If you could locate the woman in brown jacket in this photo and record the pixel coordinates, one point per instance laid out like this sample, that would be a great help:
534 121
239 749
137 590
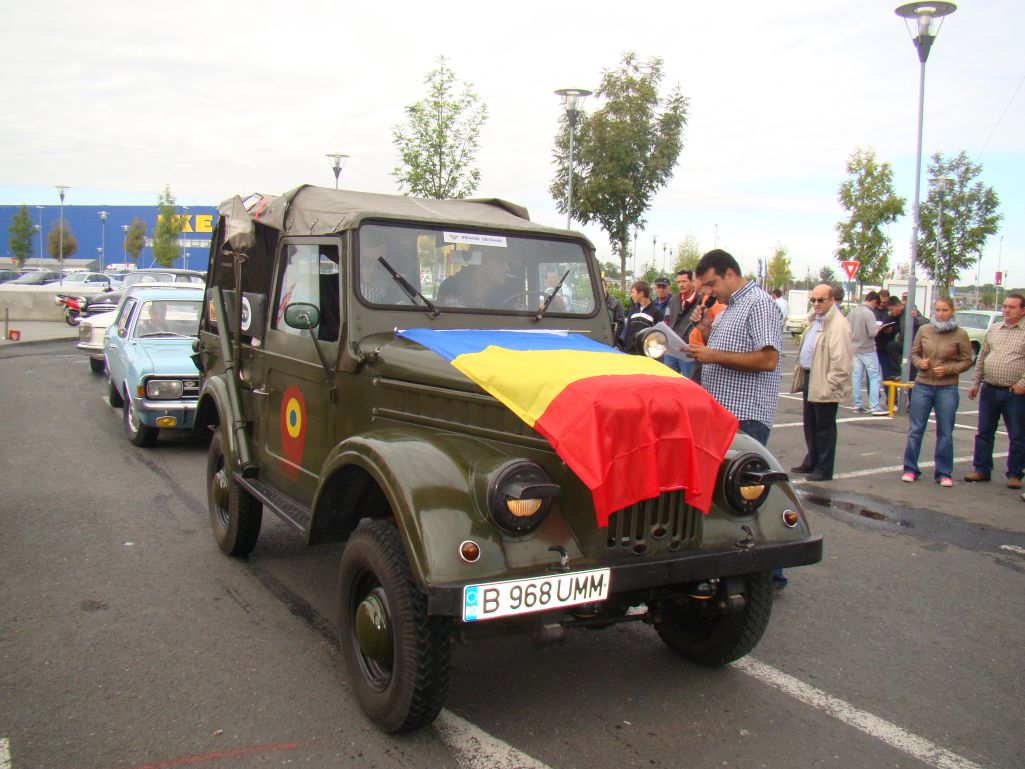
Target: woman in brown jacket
941 352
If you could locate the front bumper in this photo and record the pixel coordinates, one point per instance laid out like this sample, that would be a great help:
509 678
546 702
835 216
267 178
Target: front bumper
150 411
676 569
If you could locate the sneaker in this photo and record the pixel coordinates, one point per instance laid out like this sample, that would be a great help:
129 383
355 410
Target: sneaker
859 410
908 477
880 413
945 482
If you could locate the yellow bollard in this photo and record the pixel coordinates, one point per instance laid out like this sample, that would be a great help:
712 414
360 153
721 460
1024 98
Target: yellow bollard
891 386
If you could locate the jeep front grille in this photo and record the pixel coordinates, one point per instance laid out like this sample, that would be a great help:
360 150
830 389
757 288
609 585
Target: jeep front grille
662 524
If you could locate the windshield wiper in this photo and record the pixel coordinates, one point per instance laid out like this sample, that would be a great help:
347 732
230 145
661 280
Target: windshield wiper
409 288
551 296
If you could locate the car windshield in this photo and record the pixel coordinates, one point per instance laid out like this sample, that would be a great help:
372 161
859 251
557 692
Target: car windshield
462 270
973 320
34 277
148 277
169 318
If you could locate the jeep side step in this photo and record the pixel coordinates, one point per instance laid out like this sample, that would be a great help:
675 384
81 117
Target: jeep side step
282 505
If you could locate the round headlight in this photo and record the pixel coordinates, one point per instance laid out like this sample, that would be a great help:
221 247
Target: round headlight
746 486
520 495
655 344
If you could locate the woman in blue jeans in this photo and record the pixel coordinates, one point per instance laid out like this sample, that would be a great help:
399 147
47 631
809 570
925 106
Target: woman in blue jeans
941 352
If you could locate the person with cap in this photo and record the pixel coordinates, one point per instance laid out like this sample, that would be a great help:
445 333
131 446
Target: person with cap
662 294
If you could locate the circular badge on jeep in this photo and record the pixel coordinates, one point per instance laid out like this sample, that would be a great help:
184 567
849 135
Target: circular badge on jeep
246 313
293 428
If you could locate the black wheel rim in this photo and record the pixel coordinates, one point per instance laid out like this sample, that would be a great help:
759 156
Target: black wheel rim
371 636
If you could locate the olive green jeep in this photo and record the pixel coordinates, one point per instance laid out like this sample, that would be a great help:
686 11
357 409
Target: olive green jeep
460 518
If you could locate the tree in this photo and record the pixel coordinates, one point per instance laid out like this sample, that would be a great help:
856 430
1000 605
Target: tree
19 236
826 275
135 239
54 242
624 152
688 253
969 218
869 198
169 226
778 272
438 144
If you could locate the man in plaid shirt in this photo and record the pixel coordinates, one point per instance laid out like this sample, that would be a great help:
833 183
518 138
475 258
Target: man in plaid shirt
740 362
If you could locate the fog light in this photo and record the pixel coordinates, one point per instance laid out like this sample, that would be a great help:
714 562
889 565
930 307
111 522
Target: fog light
166 421
790 518
469 551
523 508
751 493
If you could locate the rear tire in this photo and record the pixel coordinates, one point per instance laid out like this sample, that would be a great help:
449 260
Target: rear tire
139 434
398 657
698 632
97 366
235 514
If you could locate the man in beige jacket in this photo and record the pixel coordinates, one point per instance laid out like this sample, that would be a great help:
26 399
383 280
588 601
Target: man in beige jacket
823 375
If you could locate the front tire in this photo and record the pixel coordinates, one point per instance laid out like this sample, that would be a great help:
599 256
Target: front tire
139 434
698 632
235 514
97 366
114 395
398 657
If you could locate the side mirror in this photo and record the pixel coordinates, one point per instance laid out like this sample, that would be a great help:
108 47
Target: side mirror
122 332
302 316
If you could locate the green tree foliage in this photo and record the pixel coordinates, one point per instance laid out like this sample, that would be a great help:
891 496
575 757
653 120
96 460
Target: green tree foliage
135 239
779 274
688 253
623 153
871 203
169 226
54 242
438 143
826 275
969 218
19 236
611 270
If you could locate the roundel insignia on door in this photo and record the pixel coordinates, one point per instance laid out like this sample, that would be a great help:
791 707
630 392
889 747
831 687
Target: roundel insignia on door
293 429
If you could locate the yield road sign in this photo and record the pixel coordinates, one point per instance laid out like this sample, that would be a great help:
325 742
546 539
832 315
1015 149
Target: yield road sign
850 268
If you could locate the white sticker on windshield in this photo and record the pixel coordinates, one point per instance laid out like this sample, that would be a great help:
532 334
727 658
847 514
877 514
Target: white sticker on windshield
475 239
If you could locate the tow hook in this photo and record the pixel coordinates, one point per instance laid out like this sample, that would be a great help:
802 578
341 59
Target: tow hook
563 564
732 599
747 542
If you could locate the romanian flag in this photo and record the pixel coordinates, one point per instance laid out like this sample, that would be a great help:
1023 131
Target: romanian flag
627 425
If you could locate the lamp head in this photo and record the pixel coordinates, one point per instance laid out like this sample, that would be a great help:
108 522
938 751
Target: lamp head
924 16
572 98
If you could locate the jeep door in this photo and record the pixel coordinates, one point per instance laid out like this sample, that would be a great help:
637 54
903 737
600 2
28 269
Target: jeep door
299 414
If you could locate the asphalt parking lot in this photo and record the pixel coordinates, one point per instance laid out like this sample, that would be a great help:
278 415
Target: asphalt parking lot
870 452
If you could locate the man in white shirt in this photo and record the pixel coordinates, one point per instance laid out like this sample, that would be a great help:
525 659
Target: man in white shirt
784 306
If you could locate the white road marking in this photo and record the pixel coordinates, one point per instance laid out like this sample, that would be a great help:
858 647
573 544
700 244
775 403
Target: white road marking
5 753
1013 549
892 469
845 419
891 734
473 748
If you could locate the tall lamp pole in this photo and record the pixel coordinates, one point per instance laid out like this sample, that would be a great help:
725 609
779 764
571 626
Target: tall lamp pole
572 98
337 161
40 230
103 240
124 243
185 243
923 34
60 237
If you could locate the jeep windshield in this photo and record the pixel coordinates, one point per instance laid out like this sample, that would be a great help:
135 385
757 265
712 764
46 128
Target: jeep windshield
467 271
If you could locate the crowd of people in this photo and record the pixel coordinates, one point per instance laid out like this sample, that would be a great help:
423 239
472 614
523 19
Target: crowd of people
733 330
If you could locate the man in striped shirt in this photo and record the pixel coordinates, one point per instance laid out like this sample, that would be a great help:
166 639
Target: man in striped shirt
1000 378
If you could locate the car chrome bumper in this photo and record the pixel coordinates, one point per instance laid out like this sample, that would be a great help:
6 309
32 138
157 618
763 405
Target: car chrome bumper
675 569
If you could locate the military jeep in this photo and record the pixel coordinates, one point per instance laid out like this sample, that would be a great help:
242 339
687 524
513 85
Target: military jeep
460 517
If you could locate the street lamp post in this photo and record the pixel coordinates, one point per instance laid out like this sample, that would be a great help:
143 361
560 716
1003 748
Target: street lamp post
103 240
337 161
185 243
60 236
924 15
942 184
124 242
571 99
40 231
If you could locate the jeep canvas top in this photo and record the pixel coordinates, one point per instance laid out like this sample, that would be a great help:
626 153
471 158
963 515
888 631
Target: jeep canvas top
433 383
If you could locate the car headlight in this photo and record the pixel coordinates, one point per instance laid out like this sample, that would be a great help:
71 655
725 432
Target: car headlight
520 495
164 389
654 343
747 483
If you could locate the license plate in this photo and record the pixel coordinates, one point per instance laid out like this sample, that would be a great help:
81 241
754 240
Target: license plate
523 596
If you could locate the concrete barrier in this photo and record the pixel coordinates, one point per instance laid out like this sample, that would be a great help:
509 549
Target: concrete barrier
36 302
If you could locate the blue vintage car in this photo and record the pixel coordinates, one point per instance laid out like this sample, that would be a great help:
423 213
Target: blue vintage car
148 353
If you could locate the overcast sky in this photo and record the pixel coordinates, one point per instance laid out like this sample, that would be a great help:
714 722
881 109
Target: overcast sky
117 99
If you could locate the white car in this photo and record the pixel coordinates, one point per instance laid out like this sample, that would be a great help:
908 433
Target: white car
93 328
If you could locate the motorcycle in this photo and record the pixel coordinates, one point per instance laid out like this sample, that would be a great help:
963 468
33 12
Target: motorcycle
74 307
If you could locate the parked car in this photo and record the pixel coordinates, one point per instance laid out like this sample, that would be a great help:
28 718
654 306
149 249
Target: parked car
150 370
6 275
394 374
976 323
35 278
160 275
93 279
93 327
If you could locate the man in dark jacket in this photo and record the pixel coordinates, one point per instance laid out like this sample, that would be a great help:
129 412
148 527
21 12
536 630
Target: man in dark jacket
681 305
643 314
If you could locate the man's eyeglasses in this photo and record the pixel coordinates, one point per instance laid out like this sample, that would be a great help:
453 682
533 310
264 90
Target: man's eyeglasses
820 301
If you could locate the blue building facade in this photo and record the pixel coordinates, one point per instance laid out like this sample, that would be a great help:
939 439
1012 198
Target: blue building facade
101 239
